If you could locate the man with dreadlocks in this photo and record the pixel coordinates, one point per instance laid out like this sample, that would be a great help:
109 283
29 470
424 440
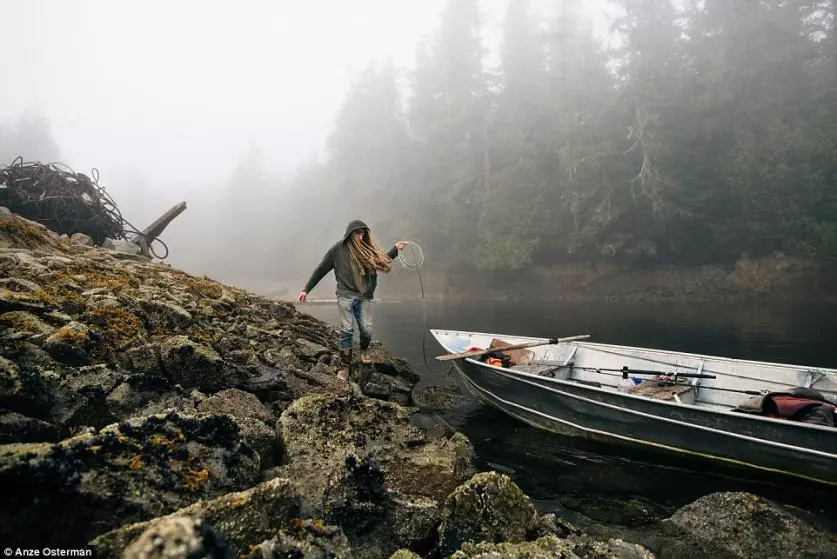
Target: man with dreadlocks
356 261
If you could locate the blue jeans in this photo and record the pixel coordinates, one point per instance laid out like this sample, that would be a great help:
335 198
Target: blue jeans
354 311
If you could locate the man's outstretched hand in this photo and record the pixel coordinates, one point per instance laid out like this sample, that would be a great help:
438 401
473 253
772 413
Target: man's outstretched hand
303 296
400 245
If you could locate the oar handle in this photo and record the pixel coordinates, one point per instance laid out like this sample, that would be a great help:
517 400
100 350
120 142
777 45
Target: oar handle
479 352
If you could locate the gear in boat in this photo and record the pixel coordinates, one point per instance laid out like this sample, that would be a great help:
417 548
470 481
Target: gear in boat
802 404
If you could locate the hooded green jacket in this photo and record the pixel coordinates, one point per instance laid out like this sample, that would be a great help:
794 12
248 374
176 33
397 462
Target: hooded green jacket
337 259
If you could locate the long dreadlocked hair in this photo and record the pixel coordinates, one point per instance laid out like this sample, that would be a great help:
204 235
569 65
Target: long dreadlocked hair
366 254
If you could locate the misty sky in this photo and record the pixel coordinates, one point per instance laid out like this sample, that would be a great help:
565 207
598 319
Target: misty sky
185 85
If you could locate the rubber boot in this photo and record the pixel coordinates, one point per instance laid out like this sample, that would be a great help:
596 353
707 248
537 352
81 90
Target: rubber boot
365 358
345 364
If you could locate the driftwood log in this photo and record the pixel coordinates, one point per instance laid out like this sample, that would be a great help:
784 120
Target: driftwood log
150 233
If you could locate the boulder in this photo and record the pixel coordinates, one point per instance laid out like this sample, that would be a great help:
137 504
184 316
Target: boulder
72 344
194 365
306 539
244 518
746 525
179 538
489 507
238 404
548 547
439 397
387 377
17 428
82 239
67 493
319 432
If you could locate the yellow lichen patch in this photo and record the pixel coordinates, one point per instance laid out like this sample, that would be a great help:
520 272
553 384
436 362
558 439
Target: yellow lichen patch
194 479
159 440
95 449
200 287
26 233
201 337
70 334
45 297
118 326
21 321
135 463
93 278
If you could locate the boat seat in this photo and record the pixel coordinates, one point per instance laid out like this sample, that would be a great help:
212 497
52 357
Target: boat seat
517 356
681 393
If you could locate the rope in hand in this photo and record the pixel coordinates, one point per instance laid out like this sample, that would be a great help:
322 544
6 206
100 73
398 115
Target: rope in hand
418 260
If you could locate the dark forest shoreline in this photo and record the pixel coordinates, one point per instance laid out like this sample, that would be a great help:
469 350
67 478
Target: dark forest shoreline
775 278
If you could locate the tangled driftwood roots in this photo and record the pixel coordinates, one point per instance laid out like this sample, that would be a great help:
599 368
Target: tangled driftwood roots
73 204
65 201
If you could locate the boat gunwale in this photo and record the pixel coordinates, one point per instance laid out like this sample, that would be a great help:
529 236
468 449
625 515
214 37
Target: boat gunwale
594 345
562 382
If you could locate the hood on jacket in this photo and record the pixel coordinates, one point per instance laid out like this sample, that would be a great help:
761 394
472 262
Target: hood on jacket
352 227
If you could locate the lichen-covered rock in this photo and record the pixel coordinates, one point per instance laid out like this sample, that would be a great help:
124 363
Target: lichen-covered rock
82 239
439 397
179 538
165 315
261 439
404 554
319 432
550 546
145 359
434 426
245 518
387 377
355 496
138 395
71 344
750 526
64 494
547 547
18 325
22 385
306 539
79 397
238 404
488 507
17 428
194 365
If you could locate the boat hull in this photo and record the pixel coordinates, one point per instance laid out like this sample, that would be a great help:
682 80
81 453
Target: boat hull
775 447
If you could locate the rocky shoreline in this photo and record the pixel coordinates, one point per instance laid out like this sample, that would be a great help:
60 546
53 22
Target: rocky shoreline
147 413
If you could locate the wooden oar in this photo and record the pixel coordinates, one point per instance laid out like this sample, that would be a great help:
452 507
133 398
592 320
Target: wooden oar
476 353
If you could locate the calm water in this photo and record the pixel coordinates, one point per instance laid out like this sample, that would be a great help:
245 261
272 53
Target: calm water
606 484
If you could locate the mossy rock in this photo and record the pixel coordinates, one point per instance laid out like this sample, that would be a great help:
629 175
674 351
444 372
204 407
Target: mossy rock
488 507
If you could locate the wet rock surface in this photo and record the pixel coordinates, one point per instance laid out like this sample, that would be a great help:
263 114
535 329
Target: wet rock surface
488 507
66 493
150 413
746 525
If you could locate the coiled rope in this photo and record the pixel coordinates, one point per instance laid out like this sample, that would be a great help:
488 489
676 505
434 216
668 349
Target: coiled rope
417 260
416 253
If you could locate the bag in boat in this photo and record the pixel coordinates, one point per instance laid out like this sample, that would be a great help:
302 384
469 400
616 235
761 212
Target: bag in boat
805 405
497 359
